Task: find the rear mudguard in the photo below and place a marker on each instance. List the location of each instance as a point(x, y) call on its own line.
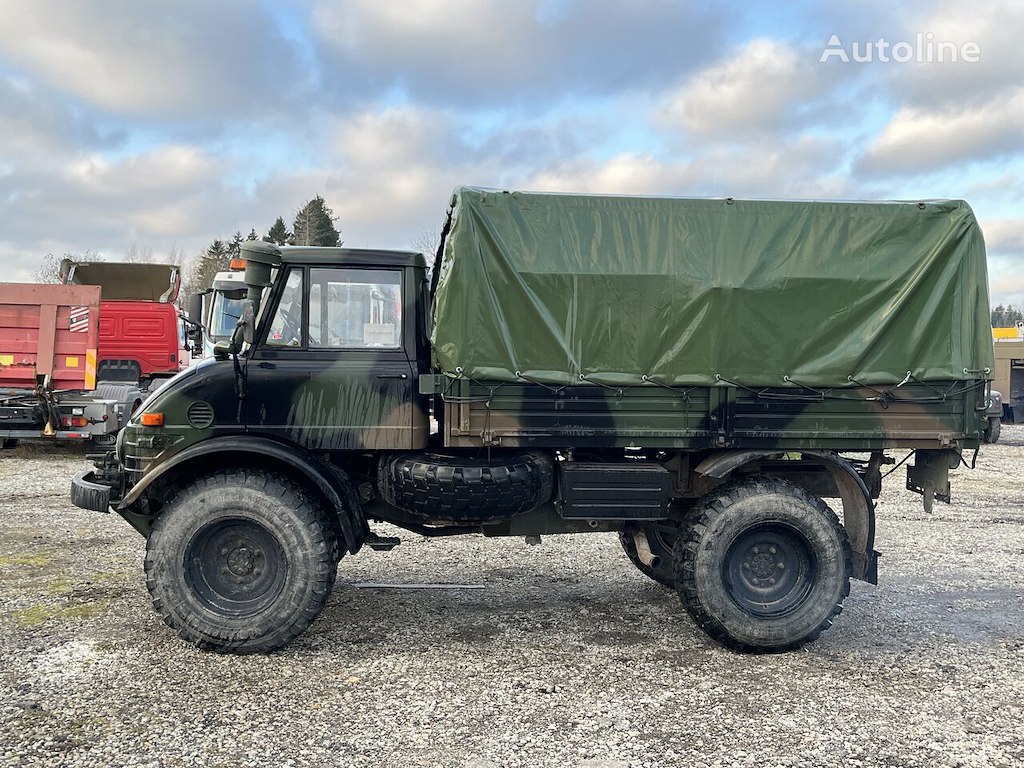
point(858, 506)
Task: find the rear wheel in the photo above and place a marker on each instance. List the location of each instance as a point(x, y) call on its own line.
point(994, 428)
point(763, 566)
point(241, 561)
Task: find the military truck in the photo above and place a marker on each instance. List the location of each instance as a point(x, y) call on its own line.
point(695, 375)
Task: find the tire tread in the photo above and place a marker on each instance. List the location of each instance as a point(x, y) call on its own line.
point(695, 528)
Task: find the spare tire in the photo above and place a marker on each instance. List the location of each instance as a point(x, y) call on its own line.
point(465, 489)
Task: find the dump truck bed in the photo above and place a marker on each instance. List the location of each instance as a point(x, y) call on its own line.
point(48, 335)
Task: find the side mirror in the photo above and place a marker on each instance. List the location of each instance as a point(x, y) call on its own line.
point(195, 308)
point(247, 323)
point(195, 334)
point(245, 331)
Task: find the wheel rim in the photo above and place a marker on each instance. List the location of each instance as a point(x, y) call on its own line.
point(769, 570)
point(235, 566)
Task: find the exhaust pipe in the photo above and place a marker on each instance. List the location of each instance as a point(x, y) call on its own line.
point(643, 550)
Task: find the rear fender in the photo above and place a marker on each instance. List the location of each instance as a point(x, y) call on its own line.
point(858, 506)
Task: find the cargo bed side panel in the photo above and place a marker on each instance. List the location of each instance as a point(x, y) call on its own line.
point(48, 331)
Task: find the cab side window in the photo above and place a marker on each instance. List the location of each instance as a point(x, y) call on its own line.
point(355, 308)
point(286, 327)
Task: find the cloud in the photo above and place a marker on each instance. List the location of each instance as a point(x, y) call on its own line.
point(918, 140)
point(627, 173)
point(1004, 240)
point(185, 60)
point(386, 173)
point(503, 53)
point(1004, 235)
point(955, 83)
point(171, 195)
point(758, 90)
point(33, 121)
point(798, 168)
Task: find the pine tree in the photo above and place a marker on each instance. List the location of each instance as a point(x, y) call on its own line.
point(278, 233)
point(252, 235)
point(235, 246)
point(314, 225)
point(1006, 317)
point(207, 264)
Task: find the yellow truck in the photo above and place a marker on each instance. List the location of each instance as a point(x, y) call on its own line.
point(1009, 371)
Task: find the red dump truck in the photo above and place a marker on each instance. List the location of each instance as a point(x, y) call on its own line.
point(49, 339)
point(142, 332)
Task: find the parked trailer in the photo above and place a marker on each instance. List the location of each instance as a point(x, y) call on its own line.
point(49, 335)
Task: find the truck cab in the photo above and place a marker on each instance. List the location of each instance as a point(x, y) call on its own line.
point(142, 334)
point(338, 350)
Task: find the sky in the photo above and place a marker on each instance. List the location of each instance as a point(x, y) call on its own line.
point(135, 126)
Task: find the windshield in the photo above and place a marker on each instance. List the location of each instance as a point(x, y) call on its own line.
point(225, 315)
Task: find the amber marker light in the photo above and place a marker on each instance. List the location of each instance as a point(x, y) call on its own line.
point(152, 419)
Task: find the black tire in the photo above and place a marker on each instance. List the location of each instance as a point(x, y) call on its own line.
point(763, 566)
point(241, 561)
point(661, 537)
point(994, 428)
point(10, 443)
point(463, 489)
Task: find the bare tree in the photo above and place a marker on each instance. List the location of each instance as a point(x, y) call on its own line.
point(176, 255)
point(427, 243)
point(48, 270)
point(133, 254)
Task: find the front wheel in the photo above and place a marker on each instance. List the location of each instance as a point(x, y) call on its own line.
point(241, 561)
point(763, 566)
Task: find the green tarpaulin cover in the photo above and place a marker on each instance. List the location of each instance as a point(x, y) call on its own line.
point(549, 287)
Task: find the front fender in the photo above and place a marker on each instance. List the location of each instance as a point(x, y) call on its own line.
point(331, 483)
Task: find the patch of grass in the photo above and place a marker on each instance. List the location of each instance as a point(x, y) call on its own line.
point(31, 559)
point(29, 618)
point(59, 586)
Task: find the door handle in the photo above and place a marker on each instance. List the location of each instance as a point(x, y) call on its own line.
point(392, 376)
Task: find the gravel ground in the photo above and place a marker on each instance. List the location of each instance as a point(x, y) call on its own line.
point(566, 657)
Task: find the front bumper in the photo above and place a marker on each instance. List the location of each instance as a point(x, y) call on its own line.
point(87, 494)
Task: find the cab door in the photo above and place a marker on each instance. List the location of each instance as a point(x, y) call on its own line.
point(332, 371)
